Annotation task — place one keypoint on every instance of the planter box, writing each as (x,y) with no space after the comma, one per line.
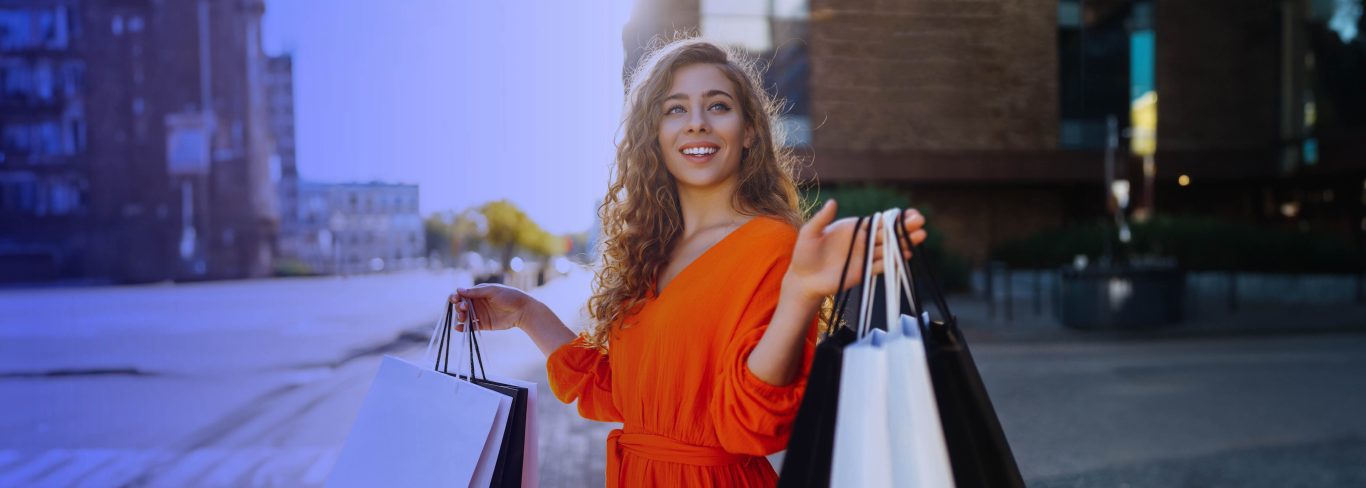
(1121,298)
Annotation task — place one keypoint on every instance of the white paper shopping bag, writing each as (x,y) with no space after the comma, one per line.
(887,428)
(862,455)
(916,432)
(419,427)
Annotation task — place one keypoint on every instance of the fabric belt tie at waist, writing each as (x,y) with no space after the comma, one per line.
(664,449)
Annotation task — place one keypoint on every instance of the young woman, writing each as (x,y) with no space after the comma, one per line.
(704,307)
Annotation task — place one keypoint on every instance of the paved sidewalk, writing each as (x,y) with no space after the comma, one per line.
(979,322)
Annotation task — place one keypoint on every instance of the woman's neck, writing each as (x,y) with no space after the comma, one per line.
(705,208)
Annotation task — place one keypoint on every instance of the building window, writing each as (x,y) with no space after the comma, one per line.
(1337,65)
(1093,70)
(16,139)
(50,138)
(742,23)
(774,31)
(40,139)
(44,83)
(33,28)
(73,79)
(64,198)
(77,129)
(27,196)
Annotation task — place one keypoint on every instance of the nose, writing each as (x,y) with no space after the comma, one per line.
(697,121)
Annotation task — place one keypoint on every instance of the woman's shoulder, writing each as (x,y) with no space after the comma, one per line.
(769,236)
(774,228)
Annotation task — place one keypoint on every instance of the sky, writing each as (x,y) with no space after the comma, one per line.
(472,100)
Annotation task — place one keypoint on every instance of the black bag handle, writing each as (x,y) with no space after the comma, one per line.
(473,326)
(920,256)
(442,341)
(841,295)
(444,349)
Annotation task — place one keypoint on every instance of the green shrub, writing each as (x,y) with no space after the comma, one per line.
(291,267)
(1204,244)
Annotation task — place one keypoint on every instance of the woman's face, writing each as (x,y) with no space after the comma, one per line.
(702,130)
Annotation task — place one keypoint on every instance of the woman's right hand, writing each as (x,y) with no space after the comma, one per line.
(497,307)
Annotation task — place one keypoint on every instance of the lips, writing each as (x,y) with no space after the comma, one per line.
(699,152)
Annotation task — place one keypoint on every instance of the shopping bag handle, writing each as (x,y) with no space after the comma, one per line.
(895,271)
(841,299)
(869,288)
(470,338)
(903,238)
(471,327)
(919,256)
(443,350)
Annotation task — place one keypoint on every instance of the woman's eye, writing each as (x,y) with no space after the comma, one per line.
(676,109)
(722,106)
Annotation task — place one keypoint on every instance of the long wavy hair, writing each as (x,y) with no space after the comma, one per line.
(641,217)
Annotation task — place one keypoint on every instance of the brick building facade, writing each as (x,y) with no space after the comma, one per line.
(174,165)
(990,114)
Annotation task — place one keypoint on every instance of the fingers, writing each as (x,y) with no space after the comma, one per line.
(481,316)
(462,315)
(477,291)
(822,218)
(918,236)
(912,219)
(464,299)
(915,228)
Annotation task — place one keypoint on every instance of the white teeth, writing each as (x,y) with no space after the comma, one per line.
(699,151)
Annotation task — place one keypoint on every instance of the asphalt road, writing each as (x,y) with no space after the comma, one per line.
(178,386)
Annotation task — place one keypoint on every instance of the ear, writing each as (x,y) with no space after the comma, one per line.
(749,136)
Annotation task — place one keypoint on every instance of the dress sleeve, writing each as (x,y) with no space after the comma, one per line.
(577,371)
(752,416)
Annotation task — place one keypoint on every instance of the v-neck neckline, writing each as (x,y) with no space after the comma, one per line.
(657,293)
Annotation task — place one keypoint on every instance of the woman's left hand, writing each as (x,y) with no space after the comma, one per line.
(822,246)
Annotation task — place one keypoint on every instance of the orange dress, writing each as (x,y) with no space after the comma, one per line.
(692,412)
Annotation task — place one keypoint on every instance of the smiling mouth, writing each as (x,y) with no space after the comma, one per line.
(700,153)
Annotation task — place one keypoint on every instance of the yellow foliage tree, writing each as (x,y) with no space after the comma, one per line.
(508,228)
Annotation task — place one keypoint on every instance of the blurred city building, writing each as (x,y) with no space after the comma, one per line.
(44,186)
(136,143)
(334,228)
(349,228)
(284,166)
(993,114)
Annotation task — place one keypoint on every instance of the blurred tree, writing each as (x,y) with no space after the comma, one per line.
(465,232)
(504,228)
(438,236)
(508,228)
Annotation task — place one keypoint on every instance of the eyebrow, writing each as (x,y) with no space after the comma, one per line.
(709,94)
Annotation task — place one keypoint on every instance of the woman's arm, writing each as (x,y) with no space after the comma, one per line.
(545,328)
(575,373)
(776,357)
(813,274)
(501,307)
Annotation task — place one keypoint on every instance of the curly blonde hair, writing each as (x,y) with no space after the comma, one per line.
(641,217)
